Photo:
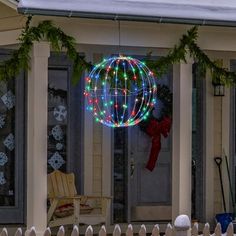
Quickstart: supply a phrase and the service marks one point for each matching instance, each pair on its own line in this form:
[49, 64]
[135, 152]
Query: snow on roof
[211, 10]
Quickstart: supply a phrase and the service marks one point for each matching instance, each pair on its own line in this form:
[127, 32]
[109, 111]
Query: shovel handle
[218, 161]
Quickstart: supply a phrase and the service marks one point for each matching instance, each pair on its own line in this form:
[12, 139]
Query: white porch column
[37, 137]
[208, 155]
[225, 137]
[182, 139]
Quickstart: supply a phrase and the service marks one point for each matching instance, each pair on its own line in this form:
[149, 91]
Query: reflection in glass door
[12, 142]
[65, 122]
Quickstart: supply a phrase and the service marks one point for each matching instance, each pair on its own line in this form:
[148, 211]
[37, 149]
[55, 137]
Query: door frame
[75, 165]
[170, 85]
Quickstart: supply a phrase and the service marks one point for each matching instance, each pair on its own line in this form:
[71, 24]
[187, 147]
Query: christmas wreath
[155, 127]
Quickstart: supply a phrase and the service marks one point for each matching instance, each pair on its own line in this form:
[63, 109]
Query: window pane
[57, 119]
[120, 169]
[7, 143]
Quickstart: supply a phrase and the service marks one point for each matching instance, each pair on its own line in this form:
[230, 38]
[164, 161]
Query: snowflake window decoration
[57, 133]
[3, 159]
[60, 113]
[59, 146]
[9, 142]
[8, 99]
[2, 120]
[2, 178]
[56, 161]
[120, 91]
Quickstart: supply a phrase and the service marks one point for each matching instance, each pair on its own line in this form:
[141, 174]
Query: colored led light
[115, 95]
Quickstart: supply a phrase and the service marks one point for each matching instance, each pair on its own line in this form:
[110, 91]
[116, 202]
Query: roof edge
[122, 17]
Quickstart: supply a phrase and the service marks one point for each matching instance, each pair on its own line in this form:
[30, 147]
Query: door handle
[132, 167]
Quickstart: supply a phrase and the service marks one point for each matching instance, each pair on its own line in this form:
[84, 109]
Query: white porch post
[182, 139]
[208, 163]
[37, 137]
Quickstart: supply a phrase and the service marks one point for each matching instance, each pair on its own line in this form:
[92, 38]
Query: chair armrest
[64, 198]
[93, 197]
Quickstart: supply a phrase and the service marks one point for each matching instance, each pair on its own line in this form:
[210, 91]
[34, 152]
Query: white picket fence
[181, 228]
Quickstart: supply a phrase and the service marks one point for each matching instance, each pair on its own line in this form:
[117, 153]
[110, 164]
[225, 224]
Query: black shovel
[218, 161]
[224, 218]
[230, 183]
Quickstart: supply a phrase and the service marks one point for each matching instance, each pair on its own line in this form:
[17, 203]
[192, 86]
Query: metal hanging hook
[119, 38]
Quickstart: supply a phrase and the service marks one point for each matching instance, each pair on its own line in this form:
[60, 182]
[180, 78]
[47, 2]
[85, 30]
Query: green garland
[44, 31]
[187, 45]
[59, 40]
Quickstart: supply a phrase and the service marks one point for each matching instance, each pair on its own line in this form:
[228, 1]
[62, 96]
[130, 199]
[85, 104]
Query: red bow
[154, 130]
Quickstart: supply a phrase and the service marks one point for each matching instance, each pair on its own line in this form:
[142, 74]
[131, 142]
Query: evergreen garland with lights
[59, 41]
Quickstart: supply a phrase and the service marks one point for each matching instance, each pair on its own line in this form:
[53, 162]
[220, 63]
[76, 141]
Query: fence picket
[4, 232]
[156, 230]
[142, 231]
[18, 232]
[218, 230]
[89, 231]
[117, 231]
[129, 231]
[194, 231]
[32, 231]
[230, 230]
[47, 232]
[75, 231]
[206, 230]
[102, 231]
[169, 230]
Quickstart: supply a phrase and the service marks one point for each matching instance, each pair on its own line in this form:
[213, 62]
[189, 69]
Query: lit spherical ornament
[120, 91]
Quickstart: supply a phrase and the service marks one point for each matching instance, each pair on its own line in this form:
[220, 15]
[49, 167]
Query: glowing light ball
[120, 91]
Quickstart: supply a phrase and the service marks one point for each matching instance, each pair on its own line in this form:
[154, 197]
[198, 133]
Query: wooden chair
[66, 207]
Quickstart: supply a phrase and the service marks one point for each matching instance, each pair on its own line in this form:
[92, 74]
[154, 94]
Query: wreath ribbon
[155, 128]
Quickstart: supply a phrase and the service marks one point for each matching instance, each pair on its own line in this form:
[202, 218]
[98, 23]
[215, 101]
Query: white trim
[226, 136]
[182, 140]
[208, 164]
[139, 34]
[10, 3]
[88, 146]
[184, 9]
[37, 118]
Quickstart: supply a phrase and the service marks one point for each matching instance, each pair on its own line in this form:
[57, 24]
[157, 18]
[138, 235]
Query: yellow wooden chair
[66, 207]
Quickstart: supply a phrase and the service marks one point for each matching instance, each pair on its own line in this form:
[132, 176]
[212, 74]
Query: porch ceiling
[211, 12]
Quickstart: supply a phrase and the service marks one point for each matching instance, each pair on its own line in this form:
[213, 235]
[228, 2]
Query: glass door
[65, 119]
